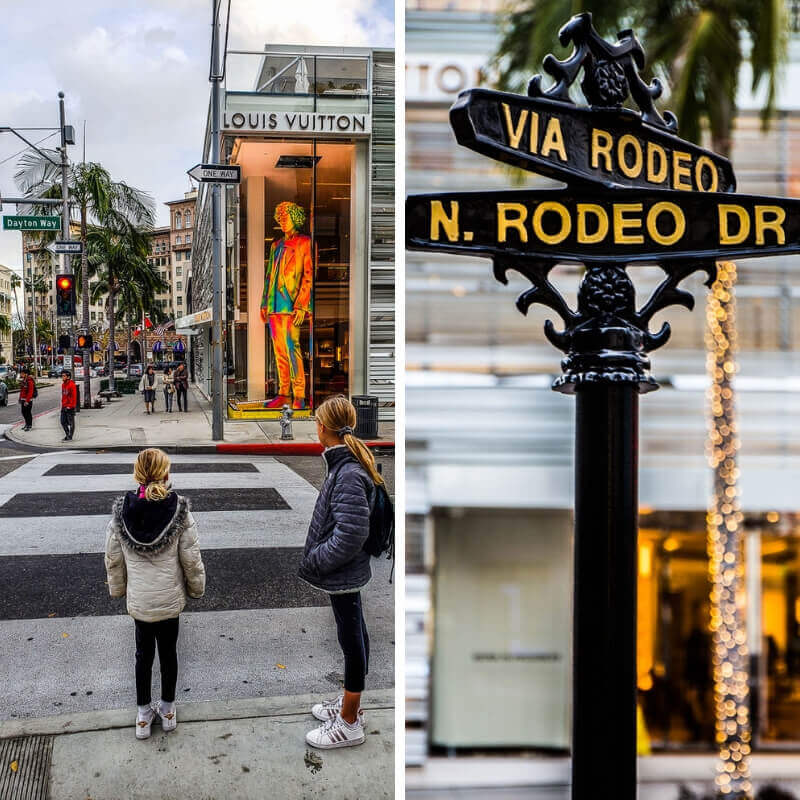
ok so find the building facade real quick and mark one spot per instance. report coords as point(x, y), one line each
point(182, 219)
point(7, 311)
point(308, 235)
point(489, 460)
point(160, 258)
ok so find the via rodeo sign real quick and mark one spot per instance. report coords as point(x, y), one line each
point(635, 191)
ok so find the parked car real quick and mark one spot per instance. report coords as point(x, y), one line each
point(54, 372)
point(136, 370)
point(101, 370)
point(7, 371)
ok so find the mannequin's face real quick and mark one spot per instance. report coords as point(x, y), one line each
point(285, 221)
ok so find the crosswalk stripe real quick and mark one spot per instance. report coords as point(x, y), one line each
point(74, 585)
point(63, 504)
point(126, 469)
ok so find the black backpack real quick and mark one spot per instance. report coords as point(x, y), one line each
point(381, 525)
point(35, 390)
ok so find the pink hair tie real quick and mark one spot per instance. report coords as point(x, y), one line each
point(142, 492)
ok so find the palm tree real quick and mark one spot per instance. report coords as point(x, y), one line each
point(700, 46)
point(118, 257)
point(96, 197)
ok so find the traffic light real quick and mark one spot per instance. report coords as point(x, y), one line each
point(64, 342)
point(65, 295)
point(84, 341)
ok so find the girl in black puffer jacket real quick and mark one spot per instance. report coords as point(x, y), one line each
point(335, 562)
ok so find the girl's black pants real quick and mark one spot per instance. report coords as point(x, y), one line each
point(149, 635)
point(353, 638)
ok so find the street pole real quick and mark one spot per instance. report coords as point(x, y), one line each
point(216, 266)
point(65, 234)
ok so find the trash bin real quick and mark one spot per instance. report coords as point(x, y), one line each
point(366, 416)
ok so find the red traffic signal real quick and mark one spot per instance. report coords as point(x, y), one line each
point(65, 295)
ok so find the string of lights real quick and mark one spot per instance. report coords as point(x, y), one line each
point(724, 535)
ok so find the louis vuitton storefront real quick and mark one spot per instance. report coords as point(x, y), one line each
point(308, 234)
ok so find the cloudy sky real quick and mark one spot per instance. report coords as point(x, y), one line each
point(136, 72)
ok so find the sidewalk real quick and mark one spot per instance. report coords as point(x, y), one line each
point(247, 749)
point(123, 424)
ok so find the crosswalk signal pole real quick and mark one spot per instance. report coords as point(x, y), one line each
point(216, 266)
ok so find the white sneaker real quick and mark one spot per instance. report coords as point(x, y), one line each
point(328, 709)
point(169, 719)
point(337, 733)
point(144, 722)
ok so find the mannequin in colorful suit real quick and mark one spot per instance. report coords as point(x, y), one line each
point(286, 302)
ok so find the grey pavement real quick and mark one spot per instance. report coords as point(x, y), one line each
point(123, 423)
point(259, 633)
point(247, 749)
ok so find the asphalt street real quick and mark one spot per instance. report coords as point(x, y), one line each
point(66, 646)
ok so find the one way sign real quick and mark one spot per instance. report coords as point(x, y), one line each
point(216, 173)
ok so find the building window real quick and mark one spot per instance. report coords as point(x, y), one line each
point(94, 316)
point(188, 220)
point(179, 285)
point(180, 301)
point(177, 240)
point(178, 270)
point(188, 238)
point(178, 220)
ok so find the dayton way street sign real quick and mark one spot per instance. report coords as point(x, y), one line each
point(30, 223)
point(216, 173)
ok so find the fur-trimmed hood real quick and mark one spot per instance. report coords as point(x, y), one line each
point(147, 526)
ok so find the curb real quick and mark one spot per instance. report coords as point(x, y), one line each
point(287, 448)
point(253, 708)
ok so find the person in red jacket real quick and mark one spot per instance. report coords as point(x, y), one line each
point(26, 387)
point(69, 400)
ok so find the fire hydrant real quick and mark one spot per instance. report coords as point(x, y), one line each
point(286, 423)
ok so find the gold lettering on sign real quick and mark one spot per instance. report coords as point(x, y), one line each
point(599, 213)
point(566, 223)
point(553, 139)
point(681, 170)
point(601, 146)
point(513, 133)
point(533, 137)
point(725, 236)
point(628, 142)
point(440, 219)
point(775, 224)
point(678, 220)
point(705, 161)
point(656, 174)
point(518, 222)
point(622, 224)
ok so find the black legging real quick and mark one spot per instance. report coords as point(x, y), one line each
point(148, 635)
point(353, 638)
point(27, 412)
point(181, 392)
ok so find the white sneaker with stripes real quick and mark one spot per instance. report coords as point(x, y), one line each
point(337, 733)
point(328, 709)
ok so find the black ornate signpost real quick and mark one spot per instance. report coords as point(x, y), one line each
point(636, 193)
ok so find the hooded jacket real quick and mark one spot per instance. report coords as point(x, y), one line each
point(153, 556)
point(334, 559)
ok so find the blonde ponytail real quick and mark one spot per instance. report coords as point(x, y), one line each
point(338, 414)
point(152, 471)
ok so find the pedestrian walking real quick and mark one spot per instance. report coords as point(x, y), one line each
point(168, 385)
point(69, 402)
point(334, 560)
point(153, 556)
point(181, 379)
point(27, 391)
point(147, 386)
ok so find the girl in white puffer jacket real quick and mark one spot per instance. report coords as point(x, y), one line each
point(153, 556)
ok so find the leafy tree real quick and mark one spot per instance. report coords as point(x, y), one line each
point(96, 197)
point(118, 257)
